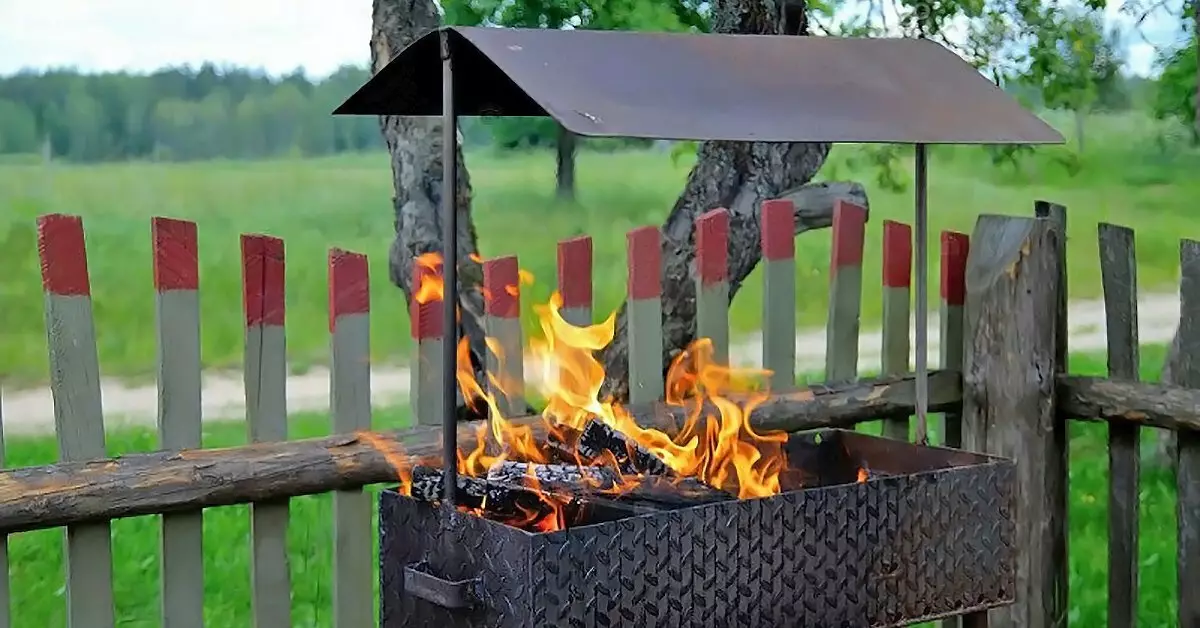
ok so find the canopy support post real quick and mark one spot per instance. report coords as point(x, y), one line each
point(449, 274)
point(921, 227)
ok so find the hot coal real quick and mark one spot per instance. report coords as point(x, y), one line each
point(553, 476)
point(599, 438)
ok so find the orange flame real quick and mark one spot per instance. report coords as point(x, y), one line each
point(716, 443)
point(431, 287)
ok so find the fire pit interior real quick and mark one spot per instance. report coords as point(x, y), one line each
point(863, 531)
point(590, 519)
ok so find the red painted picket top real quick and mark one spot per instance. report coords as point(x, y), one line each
point(265, 377)
point(177, 301)
point(644, 314)
point(897, 255)
point(897, 297)
point(78, 416)
point(712, 281)
point(575, 279)
point(955, 247)
point(502, 325)
point(350, 410)
point(778, 241)
point(426, 325)
point(349, 286)
point(954, 250)
point(845, 291)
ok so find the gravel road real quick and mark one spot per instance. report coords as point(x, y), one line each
point(31, 411)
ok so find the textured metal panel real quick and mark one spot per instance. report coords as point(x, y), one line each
point(707, 86)
point(891, 551)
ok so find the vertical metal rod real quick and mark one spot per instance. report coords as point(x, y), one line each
point(921, 226)
point(449, 274)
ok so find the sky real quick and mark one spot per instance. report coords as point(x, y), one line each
point(278, 36)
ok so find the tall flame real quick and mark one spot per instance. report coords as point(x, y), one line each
point(715, 444)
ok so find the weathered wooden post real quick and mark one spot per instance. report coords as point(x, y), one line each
point(1010, 360)
point(177, 305)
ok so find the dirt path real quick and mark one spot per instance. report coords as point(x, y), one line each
point(27, 412)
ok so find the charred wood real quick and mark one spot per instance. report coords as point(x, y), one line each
point(553, 477)
point(599, 438)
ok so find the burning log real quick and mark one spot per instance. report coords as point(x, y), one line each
point(599, 437)
point(475, 492)
point(669, 493)
point(553, 477)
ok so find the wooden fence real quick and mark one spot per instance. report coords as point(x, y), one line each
point(1002, 327)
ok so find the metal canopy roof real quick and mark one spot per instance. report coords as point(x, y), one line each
point(707, 87)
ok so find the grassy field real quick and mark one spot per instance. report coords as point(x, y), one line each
point(1126, 176)
point(37, 561)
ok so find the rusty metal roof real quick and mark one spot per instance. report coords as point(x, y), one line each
point(707, 87)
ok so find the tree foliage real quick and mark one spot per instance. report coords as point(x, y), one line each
point(1176, 96)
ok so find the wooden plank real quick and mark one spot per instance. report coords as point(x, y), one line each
point(266, 412)
point(897, 299)
point(425, 323)
point(33, 498)
point(1009, 410)
point(1187, 469)
point(1118, 272)
point(645, 315)
point(779, 293)
point(502, 328)
point(177, 320)
point(712, 281)
point(350, 407)
point(1125, 402)
point(955, 249)
point(575, 280)
point(78, 414)
point(845, 292)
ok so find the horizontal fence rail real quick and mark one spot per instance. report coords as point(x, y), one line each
point(182, 478)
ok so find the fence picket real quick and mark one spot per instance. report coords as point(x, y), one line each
point(1187, 474)
point(644, 255)
point(955, 248)
point(897, 299)
point(78, 414)
point(779, 293)
point(177, 310)
point(425, 323)
point(350, 407)
point(575, 280)
point(266, 411)
point(845, 292)
point(502, 327)
point(1118, 273)
point(5, 594)
point(712, 281)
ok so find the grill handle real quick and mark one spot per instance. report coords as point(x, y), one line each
point(445, 593)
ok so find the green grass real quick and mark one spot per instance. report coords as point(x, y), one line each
point(37, 558)
point(1126, 177)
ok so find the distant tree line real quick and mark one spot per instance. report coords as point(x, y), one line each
point(211, 112)
point(180, 113)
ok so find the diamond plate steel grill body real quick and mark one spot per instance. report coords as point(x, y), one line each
point(930, 534)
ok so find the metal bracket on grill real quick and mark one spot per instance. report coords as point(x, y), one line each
point(445, 593)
